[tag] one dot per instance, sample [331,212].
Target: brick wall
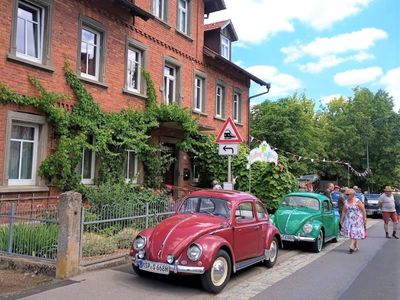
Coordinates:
[160,39]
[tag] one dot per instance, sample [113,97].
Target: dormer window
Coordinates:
[225,47]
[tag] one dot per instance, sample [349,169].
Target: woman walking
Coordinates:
[353,220]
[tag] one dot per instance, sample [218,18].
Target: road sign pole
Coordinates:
[229,169]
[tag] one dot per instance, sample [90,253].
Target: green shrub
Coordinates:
[95,244]
[124,238]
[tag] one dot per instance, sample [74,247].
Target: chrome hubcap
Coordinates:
[320,241]
[219,271]
[273,251]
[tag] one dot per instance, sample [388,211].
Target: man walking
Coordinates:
[387,205]
[328,191]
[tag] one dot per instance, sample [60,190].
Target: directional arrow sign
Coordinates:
[228,149]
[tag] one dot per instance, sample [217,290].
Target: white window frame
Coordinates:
[219,100]
[35,142]
[183,10]
[97,50]
[135,171]
[198,104]
[130,62]
[236,107]
[159,9]
[39,39]
[89,180]
[167,79]
[225,47]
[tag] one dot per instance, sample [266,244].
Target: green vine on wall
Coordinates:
[114,133]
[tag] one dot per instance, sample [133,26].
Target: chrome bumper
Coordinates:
[296,238]
[176,268]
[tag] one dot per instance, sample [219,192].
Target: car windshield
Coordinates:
[372,196]
[209,205]
[301,201]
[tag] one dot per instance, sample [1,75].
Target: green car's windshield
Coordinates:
[301,201]
[208,205]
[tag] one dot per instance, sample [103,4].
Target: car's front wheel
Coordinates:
[273,253]
[217,276]
[138,271]
[319,242]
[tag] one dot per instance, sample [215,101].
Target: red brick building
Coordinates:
[108,43]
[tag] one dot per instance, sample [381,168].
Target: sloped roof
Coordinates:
[222,25]
[221,60]
[135,10]
[211,6]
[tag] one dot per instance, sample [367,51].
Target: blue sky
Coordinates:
[322,48]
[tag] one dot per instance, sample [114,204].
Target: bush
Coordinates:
[119,193]
[95,244]
[124,238]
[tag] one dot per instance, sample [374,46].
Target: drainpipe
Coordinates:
[268,86]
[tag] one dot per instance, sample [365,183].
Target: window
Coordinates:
[244,212]
[87,164]
[199,94]
[169,84]
[31,32]
[237,107]
[219,101]
[261,213]
[225,47]
[134,69]
[23,154]
[131,169]
[90,53]
[183,16]
[25,148]
[160,9]
[91,49]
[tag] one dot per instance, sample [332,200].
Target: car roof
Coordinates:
[224,194]
[319,197]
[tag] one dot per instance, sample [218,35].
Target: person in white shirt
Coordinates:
[387,205]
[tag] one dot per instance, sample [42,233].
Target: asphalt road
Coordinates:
[371,273]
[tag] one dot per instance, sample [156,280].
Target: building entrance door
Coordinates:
[169,175]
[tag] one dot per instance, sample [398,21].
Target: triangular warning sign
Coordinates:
[229,133]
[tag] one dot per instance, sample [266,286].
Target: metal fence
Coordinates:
[29,229]
[107,231]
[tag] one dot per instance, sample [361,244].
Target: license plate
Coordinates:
[153,267]
[289,238]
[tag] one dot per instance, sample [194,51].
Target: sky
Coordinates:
[321,48]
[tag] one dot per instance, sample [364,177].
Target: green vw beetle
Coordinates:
[307,217]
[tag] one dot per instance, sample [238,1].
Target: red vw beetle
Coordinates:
[213,234]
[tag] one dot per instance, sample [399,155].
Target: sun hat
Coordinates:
[388,188]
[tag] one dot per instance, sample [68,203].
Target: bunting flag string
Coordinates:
[300,157]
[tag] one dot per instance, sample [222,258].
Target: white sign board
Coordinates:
[228,149]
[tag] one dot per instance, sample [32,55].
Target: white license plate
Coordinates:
[153,267]
[289,238]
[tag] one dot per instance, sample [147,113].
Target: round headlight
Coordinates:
[139,243]
[194,252]
[307,228]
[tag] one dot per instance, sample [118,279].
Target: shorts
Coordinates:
[390,215]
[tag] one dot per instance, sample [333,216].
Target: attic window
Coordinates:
[225,47]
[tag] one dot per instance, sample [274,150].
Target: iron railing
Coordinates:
[107,231]
[29,229]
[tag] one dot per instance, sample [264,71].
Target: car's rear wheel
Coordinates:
[217,276]
[273,253]
[319,242]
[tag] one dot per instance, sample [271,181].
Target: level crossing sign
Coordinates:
[229,133]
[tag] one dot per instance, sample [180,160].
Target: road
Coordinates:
[371,273]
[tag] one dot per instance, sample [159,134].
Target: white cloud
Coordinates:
[390,83]
[330,61]
[282,84]
[326,99]
[357,76]
[258,20]
[357,41]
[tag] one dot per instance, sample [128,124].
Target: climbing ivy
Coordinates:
[114,133]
